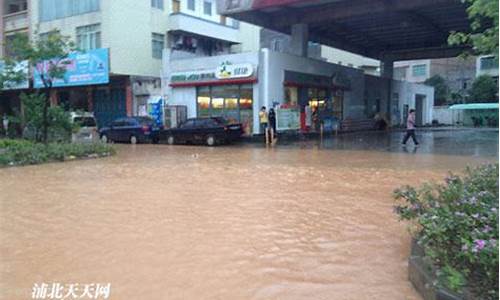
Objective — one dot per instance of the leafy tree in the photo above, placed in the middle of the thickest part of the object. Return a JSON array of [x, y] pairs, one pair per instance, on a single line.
[[48, 56], [457, 97], [441, 89], [483, 15], [484, 89], [58, 121]]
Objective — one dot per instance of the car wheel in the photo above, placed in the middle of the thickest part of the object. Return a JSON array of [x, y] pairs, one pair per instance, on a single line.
[[133, 139], [170, 140], [104, 139], [210, 140]]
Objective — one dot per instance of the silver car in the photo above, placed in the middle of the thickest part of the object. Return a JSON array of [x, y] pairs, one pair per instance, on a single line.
[[87, 130]]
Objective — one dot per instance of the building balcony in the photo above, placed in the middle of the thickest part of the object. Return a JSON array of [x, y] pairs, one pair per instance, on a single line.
[[179, 22], [16, 21]]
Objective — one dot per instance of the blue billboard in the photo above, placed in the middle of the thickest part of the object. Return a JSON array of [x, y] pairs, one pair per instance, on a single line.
[[91, 67]]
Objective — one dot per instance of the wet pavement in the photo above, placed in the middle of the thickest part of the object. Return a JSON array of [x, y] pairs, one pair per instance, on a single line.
[[467, 142], [305, 220]]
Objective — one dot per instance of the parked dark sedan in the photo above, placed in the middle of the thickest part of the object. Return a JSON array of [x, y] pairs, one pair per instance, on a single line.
[[209, 131], [130, 129]]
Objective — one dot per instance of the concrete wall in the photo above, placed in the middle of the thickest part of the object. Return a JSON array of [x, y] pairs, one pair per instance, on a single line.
[[126, 28], [345, 58], [407, 92], [249, 37], [274, 65], [458, 72], [280, 42], [376, 94], [446, 116]]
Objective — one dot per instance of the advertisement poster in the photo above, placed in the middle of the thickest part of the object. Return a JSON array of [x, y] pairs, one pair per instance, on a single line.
[[287, 119], [91, 67]]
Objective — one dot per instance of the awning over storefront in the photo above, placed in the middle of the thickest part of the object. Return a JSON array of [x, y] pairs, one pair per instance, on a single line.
[[474, 106]]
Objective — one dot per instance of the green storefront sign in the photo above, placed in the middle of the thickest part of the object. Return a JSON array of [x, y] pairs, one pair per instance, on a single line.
[[192, 76]]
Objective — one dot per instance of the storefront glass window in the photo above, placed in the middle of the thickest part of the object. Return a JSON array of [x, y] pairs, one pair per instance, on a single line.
[[233, 102], [246, 108], [291, 96], [217, 107], [317, 98], [203, 101]]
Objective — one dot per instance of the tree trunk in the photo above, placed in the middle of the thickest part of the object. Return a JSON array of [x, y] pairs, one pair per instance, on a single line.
[[46, 104]]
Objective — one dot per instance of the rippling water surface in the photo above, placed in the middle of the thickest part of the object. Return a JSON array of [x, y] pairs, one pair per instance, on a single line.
[[161, 222]]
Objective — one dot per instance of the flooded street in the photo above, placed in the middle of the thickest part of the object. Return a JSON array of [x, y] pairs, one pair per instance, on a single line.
[[238, 222]]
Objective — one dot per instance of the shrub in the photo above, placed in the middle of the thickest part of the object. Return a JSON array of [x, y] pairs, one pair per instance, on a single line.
[[58, 121], [457, 225], [23, 152]]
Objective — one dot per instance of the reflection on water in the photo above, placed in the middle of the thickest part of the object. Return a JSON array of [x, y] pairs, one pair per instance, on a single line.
[[161, 222]]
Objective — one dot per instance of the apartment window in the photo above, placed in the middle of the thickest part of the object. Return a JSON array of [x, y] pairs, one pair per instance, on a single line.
[[9, 39], [158, 43], [88, 37], [207, 8], [488, 63], [419, 70], [400, 73], [58, 9], [236, 23], [176, 6], [157, 4], [17, 7], [191, 5]]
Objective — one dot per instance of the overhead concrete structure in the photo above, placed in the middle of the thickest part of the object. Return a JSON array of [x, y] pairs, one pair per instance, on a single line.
[[388, 30]]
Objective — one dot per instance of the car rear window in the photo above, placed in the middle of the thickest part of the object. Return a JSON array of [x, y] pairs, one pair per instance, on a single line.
[[145, 121], [85, 121], [221, 121], [206, 123]]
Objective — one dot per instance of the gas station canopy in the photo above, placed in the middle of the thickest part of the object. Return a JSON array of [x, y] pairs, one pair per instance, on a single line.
[[380, 29]]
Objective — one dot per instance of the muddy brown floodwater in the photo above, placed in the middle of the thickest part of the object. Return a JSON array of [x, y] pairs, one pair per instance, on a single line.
[[161, 222]]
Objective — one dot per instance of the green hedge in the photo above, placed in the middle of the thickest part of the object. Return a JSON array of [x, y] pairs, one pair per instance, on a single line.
[[457, 224], [23, 152]]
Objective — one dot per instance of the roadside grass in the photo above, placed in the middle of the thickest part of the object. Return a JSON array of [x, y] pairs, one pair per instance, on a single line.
[[17, 152]]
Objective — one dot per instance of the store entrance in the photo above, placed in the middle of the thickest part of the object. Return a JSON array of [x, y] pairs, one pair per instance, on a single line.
[[233, 102], [325, 105]]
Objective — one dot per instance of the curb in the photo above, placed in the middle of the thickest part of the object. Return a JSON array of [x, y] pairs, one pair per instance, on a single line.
[[422, 277]]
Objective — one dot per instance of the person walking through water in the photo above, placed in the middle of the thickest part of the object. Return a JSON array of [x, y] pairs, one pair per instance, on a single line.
[[410, 128], [272, 125], [263, 122]]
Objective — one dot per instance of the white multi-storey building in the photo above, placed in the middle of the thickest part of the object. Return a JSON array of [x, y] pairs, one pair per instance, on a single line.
[[135, 34]]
